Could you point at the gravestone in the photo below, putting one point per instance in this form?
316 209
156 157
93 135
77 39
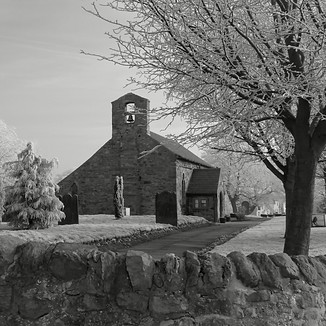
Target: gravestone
70 209
166 208
118 200
318 220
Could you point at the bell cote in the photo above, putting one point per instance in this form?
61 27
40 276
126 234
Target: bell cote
130 114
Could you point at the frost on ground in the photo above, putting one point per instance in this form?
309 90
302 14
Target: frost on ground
96 228
268 237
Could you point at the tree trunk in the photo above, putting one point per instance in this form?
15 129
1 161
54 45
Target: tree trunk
299 218
300 213
288 187
306 153
233 201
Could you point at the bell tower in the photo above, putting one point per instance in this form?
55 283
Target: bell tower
130 115
130 130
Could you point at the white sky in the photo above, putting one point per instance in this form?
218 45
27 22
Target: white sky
54 96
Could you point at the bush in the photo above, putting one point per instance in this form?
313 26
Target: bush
31 202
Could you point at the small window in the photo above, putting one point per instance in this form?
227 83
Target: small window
130 108
203 203
196 203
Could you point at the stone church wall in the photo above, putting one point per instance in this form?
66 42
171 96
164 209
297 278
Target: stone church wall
72 284
183 172
158 174
143 177
94 180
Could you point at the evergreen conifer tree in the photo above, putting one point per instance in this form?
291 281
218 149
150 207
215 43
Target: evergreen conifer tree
31 200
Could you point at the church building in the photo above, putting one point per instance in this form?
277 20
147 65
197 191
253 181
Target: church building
149 164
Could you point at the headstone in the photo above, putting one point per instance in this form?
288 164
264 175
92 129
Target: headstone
166 208
318 220
118 200
70 209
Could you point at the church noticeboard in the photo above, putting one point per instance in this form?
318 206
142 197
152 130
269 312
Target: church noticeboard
166 208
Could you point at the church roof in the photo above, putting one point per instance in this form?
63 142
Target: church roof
204 181
179 150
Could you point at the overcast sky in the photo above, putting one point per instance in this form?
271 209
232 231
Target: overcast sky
50 93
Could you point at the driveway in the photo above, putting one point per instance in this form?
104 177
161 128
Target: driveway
193 240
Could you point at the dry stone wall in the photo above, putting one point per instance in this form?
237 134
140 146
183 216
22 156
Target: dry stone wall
73 284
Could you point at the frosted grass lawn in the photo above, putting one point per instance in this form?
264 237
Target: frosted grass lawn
94 228
268 237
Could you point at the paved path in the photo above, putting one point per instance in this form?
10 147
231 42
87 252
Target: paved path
192 240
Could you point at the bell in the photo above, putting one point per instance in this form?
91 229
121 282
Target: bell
130 119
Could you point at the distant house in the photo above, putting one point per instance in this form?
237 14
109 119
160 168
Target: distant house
149 164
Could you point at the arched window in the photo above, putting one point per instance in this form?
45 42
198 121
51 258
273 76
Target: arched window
74 189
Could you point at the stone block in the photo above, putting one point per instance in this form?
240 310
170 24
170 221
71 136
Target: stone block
270 274
168 304
246 271
259 296
8 246
140 268
192 268
100 271
133 301
109 263
217 271
217 320
32 255
5 297
121 279
94 302
319 267
68 261
33 308
306 269
173 268
288 268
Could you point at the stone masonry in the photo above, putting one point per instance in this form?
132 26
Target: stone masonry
72 284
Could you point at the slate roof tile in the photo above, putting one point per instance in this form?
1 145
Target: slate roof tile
204 182
179 150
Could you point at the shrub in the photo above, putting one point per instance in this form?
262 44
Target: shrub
31 202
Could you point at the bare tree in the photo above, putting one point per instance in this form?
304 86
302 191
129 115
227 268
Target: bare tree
10 145
245 179
250 70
